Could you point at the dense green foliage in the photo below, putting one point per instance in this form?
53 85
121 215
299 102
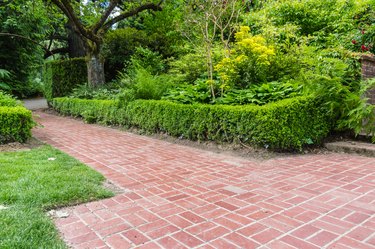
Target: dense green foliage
19 54
30 184
285 125
61 76
8 100
119 45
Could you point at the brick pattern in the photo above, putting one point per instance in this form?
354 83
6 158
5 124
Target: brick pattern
182 197
368 72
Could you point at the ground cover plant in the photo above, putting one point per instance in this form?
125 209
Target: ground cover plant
34 181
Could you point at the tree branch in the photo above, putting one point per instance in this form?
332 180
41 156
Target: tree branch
67 9
56 51
104 17
28 39
122 16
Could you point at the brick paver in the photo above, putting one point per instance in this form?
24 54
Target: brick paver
182 197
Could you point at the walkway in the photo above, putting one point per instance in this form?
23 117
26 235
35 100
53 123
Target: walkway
182 197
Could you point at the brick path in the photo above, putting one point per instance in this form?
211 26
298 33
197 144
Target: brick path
182 197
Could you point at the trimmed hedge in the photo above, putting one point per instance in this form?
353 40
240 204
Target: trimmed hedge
61 76
285 125
15 124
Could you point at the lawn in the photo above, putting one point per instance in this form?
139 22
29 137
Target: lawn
34 181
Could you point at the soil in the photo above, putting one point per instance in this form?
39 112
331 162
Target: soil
30 144
235 149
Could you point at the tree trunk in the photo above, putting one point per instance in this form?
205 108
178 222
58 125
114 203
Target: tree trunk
95 70
76 45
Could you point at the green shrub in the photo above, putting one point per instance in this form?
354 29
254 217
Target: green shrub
285 125
61 76
119 45
7 100
15 124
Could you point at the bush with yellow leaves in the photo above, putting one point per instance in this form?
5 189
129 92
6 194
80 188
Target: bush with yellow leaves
247 63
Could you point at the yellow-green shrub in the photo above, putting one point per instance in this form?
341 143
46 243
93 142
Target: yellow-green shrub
248 62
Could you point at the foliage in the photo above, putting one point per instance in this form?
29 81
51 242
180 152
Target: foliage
61 76
8 100
357 113
189 94
119 45
4 75
323 23
148 86
23 25
144 78
15 124
363 39
262 94
30 185
248 63
257 94
162 28
189 67
287 124
86 91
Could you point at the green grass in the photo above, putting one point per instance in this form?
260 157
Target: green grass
30 184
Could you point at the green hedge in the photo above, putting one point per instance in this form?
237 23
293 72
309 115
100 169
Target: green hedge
15 124
61 76
285 125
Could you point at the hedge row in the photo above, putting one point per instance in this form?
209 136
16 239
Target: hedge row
61 76
286 125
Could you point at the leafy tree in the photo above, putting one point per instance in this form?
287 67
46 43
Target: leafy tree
23 24
92 20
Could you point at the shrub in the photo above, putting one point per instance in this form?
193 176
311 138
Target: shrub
285 125
119 46
101 111
15 124
248 62
61 76
7 100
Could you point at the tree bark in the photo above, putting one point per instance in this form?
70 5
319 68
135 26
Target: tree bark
76 44
95 70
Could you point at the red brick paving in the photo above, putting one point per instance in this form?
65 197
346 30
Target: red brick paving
182 197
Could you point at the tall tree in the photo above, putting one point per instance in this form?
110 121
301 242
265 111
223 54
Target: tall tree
92 19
